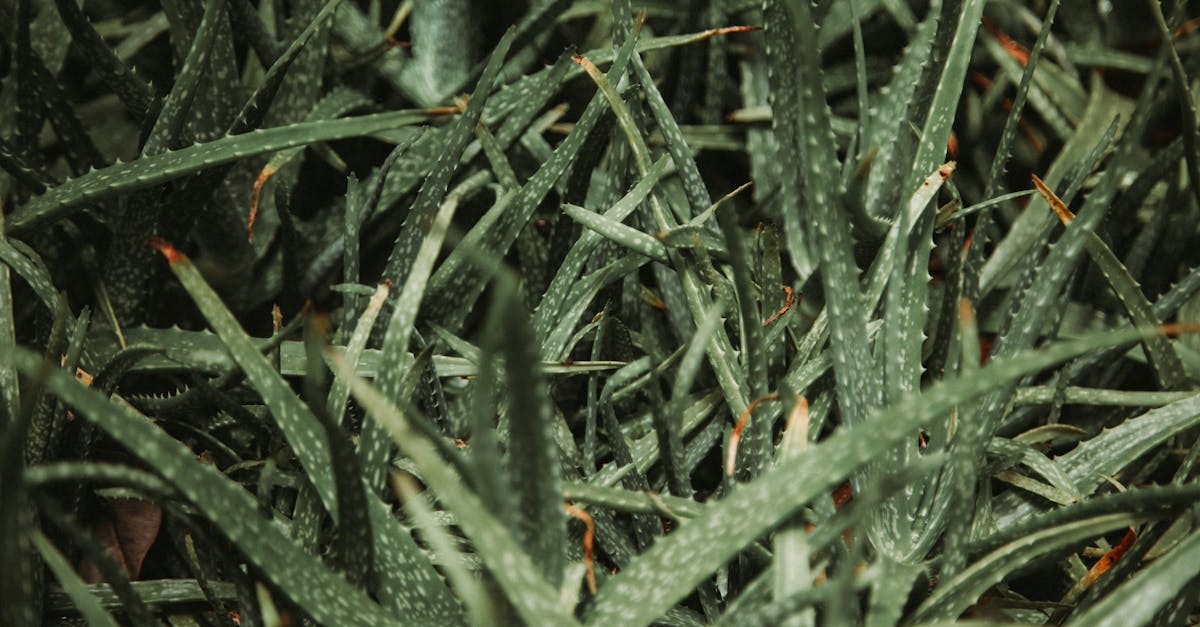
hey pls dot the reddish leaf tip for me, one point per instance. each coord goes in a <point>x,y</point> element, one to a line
<point>165,248</point>
<point>744,28</point>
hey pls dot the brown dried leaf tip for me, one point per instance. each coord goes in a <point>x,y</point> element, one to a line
<point>588,66</point>
<point>165,247</point>
<point>791,297</point>
<point>736,437</point>
<point>267,172</point>
<point>742,28</point>
<point>589,536</point>
<point>1060,208</point>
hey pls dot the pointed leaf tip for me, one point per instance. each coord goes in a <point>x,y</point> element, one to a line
<point>166,248</point>
<point>1060,208</point>
<point>745,28</point>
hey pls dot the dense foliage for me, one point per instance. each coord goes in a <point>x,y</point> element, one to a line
<point>764,312</point>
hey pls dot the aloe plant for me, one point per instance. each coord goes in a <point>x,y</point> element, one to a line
<point>341,312</point>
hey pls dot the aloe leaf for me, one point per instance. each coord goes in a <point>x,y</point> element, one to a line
<point>792,571</point>
<point>1009,134</point>
<point>830,228</point>
<point>533,454</point>
<point>1054,102</point>
<point>754,454</point>
<point>1187,102</point>
<point>681,155</point>
<point>172,115</point>
<point>471,592</point>
<point>318,591</point>
<point>783,55</point>
<point>249,27</point>
<point>20,169</point>
<point>1017,245</point>
<point>298,424</point>
<point>408,582</point>
<point>1140,598</point>
<point>890,593</point>
<point>10,394</point>
<point>829,531</point>
<point>360,33</point>
<point>85,602</point>
<point>18,517</point>
<point>488,475</point>
<point>203,352</point>
<point>531,97</point>
<point>935,132</point>
<point>394,359</point>
<point>644,450</point>
<point>1110,452</point>
<point>517,575</point>
<point>1030,313</point>
<point>48,97</point>
<point>581,296</point>
<point>688,292</point>
<point>63,200</point>
<point>133,92</point>
<point>506,100</point>
<point>333,105</point>
<point>214,105</point>
<point>97,472</point>
<point>886,117</point>
<point>457,283</point>
<point>421,215</point>
<point>1163,359</point>
<point>548,310</point>
<point>614,231</point>
<point>339,393</point>
<point>1097,396</point>
<point>1149,502</point>
<point>638,594</point>
<point>952,597</point>
<point>887,125</point>
<point>1039,463</point>
<point>621,500</point>
<point>441,44</point>
<point>905,312</point>
<point>301,87</point>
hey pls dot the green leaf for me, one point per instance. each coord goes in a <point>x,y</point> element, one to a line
<point>63,200</point>
<point>448,151</point>
<point>638,594</point>
<point>1163,359</point>
<point>318,591</point>
<point>935,132</point>
<point>532,596</point>
<point>394,358</point>
<point>441,43</point>
<point>535,471</point>
<point>548,312</point>
<point>952,597</point>
<point>829,227</point>
<point>299,426</point>
<point>10,394</point>
<point>1111,451</point>
<point>170,121</point>
<point>614,231</point>
<point>1138,600</point>
<point>457,282</point>
<point>133,92</point>
<point>85,602</point>
<point>887,129</point>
